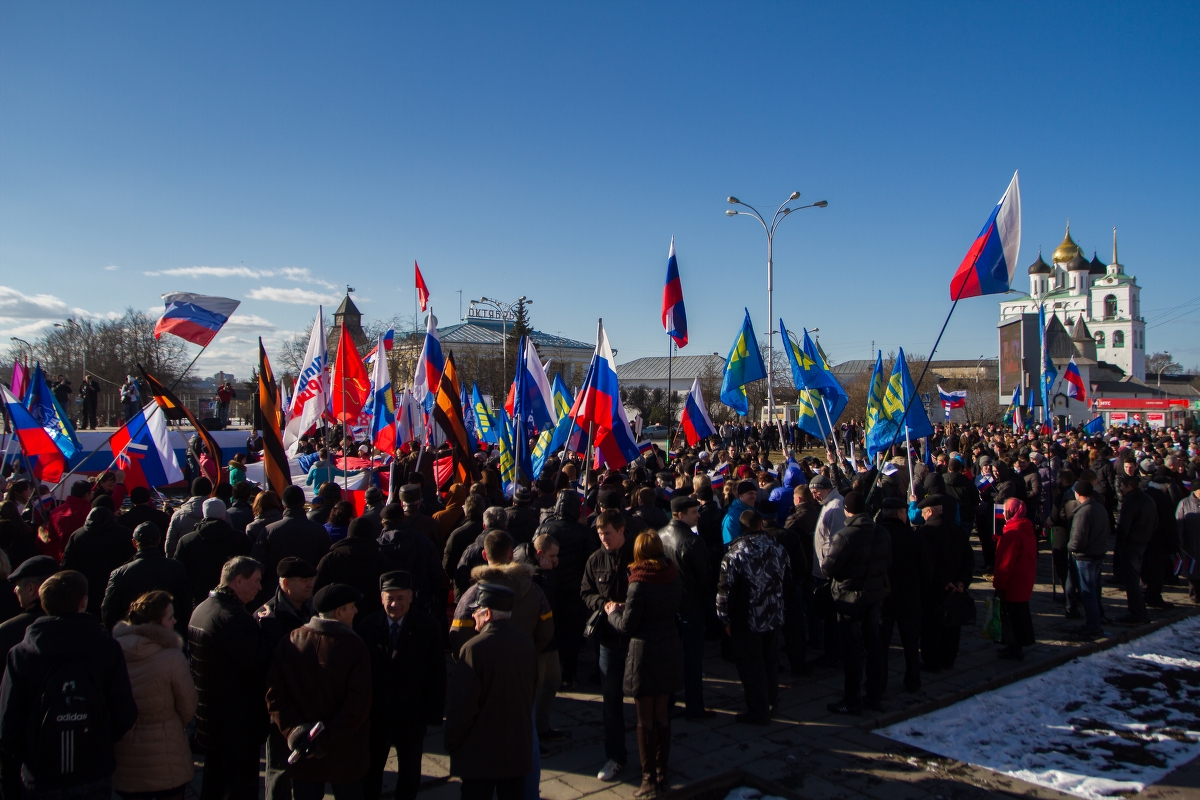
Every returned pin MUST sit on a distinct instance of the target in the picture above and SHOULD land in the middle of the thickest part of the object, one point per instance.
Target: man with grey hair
(229, 658)
(494, 519)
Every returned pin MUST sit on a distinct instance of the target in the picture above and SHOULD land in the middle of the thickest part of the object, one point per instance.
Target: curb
(1024, 672)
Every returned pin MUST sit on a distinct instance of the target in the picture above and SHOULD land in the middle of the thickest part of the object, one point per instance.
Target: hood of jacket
(793, 476)
(567, 506)
(518, 577)
(98, 519)
(142, 641)
(356, 546)
(214, 530)
(66, 636)
(193, 507)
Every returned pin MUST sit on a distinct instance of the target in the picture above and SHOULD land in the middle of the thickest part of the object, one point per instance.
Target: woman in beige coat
(154, 759)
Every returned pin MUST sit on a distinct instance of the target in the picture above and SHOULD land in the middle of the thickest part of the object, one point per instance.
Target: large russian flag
(599, 405)
(46, 461)
(143, 450)
(1074, 381)
(954, 399)
(428, 374)
(673, 317)
(194, 317)
(989, 264)
(695, 421)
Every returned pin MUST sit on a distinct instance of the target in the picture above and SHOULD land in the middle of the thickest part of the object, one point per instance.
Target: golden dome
(1067, 250)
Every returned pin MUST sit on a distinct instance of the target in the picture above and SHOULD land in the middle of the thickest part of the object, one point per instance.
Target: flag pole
(670, 362)
(345, 426)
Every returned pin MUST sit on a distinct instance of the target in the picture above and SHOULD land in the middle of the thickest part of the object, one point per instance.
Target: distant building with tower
(347, 314)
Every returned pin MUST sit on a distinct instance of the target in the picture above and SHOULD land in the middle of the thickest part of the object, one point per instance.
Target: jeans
(860, 641)
(311, 790)
(612, 687)
(691, 632)
(484, 789)
(1089, 589)
(757, 657)
(96, 790)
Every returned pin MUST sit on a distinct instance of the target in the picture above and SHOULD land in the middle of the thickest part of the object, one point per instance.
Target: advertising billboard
(1010, 359)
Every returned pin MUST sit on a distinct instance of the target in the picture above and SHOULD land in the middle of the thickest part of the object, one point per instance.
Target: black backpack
(74, 731)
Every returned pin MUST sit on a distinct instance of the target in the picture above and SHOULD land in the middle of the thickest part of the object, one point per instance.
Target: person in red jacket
(1016, 567)
(65, 520)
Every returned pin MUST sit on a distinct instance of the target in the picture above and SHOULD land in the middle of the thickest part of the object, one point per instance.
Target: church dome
(1039, 267)
(1077, 263)
(1096, 267)
(1067, 250)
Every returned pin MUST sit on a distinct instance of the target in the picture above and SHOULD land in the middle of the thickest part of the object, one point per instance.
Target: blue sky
(552, 150)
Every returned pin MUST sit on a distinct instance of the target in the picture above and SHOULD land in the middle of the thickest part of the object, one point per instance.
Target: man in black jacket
(26, 580)
(147, 571)
(962, 490)
(523, 518)
(857, 564)
(205, 550)
(575, 544)
(70, 660)
(606, 580)
(144, 511)
(902, 607)
(96, 549)
(688, 553)
(465, 534)
(229, 662)
(356, 561)
(952, 565)
(408, 550)
(295, 535)
(1137, 522)
(408, 671)
(290, 608)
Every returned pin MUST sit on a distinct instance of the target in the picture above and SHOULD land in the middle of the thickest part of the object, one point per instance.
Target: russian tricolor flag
(194, 317)
(381, 405)
(46, 461)
(599, 404)
(673, 317)
(696, 423)
(989, 264)
(143, 450)
(955, 399)
(428, 373)
(1074, 381)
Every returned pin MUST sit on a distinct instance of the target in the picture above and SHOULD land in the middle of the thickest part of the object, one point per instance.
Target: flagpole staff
(780, 214)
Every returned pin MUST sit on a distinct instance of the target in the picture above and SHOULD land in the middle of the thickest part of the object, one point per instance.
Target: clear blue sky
(552, 150)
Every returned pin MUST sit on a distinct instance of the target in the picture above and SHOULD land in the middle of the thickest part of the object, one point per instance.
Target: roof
(491, 332)
(1077, 263)
(348, 307)
(1039, 267)
(1096, 266)
(654, 368)
(858, 366)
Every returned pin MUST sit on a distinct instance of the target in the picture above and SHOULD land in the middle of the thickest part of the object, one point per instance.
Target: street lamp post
(26, 346)
(504, 309)
(780, 214)
(1166, 363)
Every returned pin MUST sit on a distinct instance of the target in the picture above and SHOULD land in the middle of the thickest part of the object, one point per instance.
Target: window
(1110, 306)
(1118, 338)
(1100, 339)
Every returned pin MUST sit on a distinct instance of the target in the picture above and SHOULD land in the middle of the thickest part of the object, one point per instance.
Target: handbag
(589, 630)
(958, 609)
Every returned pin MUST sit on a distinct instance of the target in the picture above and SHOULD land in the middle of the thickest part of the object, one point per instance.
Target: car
(655, 430)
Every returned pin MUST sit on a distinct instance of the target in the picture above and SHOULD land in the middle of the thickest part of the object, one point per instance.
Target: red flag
(422, 289)
(349, 364)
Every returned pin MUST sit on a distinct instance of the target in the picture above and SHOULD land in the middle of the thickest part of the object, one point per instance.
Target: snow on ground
(1104, 725)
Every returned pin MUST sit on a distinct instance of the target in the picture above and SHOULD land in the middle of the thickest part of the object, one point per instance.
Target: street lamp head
(731, 213)
(821, 204)
(794, 196)
(787, 211)
(732, 200)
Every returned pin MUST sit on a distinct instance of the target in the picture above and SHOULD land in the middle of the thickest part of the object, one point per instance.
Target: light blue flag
(879, 436)
(1049, 373)
(811, 418)
(484, 419)
(831, 391)
(551, 441)
(744, 365)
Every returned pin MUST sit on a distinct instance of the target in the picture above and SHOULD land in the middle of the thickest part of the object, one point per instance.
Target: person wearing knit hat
(322, 673)
(205, 550)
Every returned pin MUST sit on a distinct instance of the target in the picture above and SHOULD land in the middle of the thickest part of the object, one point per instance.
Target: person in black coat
(65, 651)
(1164, 543)
(690, 556)
(952, 565)
(294, 536)
(204, 551)
(147, 571)
(465, 534)
(575, 544)
(408, 673)
(26, 580)
(901, 609)
(356, 561)
(143, 510)
(229, 662)
(523, 518)
(290, 608)
(408, 550)
(96, 549)
(17, 538)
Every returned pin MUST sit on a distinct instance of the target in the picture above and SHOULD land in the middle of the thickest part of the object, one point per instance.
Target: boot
(647, 746)
(663, 733)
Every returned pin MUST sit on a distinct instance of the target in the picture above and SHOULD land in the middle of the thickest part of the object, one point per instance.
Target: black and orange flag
(275, 462)
(448, 414)
(174, 409)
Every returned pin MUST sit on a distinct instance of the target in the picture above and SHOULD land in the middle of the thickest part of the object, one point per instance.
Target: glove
(297, 740)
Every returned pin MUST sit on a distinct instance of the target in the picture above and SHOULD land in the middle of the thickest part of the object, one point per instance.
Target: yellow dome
(1067, 250)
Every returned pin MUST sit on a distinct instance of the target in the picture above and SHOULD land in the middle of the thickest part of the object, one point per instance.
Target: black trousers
(910, 640)
(231, 774)
(939, 642)
(860, 646)
(569, 621)
(484, 789)
(1129, 571)
(757, 658)
(410, 746)
(1154, 569)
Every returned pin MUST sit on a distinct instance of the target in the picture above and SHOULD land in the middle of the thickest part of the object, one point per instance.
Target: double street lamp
(504, 310)
(780, 214)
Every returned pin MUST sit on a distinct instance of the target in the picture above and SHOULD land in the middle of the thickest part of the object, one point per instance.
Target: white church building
(1071, 288)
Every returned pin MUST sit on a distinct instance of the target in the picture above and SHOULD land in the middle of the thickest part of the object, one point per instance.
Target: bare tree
(1162, 364)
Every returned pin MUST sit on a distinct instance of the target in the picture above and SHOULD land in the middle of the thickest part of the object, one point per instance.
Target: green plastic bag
(991, 619)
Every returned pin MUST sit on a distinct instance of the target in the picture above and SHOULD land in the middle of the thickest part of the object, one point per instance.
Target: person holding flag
(142, 450)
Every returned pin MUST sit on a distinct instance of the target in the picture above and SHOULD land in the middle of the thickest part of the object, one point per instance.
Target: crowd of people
(333, 631)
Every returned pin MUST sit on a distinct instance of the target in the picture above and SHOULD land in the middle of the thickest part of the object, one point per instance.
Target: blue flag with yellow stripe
(875, 434)
(484, 421)
(899, 394)
(744, 365)
(811, 418)
(825, 383)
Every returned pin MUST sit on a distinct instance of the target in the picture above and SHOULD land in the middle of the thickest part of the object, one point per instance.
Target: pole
(345, 425)
(670, 361)
(832, 432)
(770, 328)
(587, 461)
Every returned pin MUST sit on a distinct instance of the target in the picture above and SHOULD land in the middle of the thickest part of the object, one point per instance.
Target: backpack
(74, 731)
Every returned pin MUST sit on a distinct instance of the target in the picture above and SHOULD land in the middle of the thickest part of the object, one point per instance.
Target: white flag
(310, 395)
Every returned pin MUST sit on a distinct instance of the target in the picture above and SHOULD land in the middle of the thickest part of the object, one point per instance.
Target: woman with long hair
(1016, 568)
(654, 664)
(267, 509)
